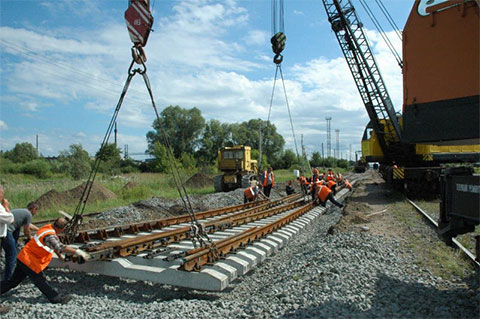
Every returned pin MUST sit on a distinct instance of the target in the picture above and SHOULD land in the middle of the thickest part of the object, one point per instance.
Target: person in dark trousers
(268, 181)
(313, 180)
(35, 257)
(6, 218)
(324, 193)
(22, 218)
(289, 188)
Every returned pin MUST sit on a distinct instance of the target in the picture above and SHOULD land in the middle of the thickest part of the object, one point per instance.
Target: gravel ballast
(348, 274)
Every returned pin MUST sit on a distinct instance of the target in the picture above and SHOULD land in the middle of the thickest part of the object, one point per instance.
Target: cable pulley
(278, 45)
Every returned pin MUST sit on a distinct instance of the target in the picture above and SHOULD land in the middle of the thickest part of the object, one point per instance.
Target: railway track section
(467, 252)
(162, 251)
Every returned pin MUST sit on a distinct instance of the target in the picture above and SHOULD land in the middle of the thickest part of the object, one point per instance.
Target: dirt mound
(200, 180)
(72, 196)
(130, 185)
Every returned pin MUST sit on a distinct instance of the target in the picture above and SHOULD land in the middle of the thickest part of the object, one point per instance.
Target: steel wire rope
(389, 18)
(289, 114)
(382, 33)
(73, 225)
(41, 58)
(196, 227)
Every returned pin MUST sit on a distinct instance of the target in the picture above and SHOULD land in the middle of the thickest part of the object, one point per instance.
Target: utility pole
(337, 135)
(125, 151)
(305, 159)
(323, 154)
(115, 133)
(329, 138)
(36, 144)
(350, 153)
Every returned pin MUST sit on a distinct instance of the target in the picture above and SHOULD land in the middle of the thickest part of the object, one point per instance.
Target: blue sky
(64, 63)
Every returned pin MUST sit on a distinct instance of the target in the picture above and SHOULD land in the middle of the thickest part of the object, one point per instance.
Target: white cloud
(257, 37)
(192, 63)
(298, 12)
(3, 126)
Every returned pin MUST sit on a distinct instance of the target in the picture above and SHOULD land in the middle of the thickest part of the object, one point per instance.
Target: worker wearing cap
(35, 257)
(324, 193)
(268, 181)
(251, 193)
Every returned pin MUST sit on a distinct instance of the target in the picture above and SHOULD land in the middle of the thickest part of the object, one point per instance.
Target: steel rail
(118, 231)
(196, 258)
(126, 247)
(456, 242)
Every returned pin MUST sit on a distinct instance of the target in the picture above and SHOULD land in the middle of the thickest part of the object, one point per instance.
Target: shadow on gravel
(393, 298)
(378, 194)
(95, 285)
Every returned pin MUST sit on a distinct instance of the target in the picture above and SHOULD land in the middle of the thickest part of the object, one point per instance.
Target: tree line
(193, 141)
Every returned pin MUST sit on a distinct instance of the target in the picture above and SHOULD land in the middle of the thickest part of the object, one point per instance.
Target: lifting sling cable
(138, 55)
(278, 45)
(382, 33)
(72, 227)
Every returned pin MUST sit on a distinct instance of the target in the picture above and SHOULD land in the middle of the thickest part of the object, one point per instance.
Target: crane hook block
(278, 42)
(139, 21)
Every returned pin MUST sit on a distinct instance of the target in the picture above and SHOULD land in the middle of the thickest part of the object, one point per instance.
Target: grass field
(21, 189)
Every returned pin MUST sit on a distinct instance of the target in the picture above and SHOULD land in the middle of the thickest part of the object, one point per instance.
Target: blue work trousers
(9, 245)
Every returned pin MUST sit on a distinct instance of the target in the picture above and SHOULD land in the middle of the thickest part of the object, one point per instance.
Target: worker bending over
(251, 194)
(324, 193)
(289, 188)
(35, 257)
(332, 185)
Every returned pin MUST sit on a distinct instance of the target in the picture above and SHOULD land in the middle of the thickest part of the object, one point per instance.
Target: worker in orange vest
(251, 193)
(304, 184)
(35, 257)
(268, 181)
(330, 175)
(332, 185)
(313, 182)
(347, 183)
(324, 193)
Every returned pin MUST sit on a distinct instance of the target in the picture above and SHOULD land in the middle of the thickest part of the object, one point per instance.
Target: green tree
(39, 168)
(316, 160)
(289, 158)
(161, 162)
(247, 133)
(183, 128)
(215, 136)
(22, 153)
(110, 158)
(75, 161)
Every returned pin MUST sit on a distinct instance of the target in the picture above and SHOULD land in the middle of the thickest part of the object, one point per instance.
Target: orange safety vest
(249, 192)
(265, 179)
(347, 183)
(331, 183)
(329, 177)
(315, 181)
(36, 255)
(339, 177)
(323, 193)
